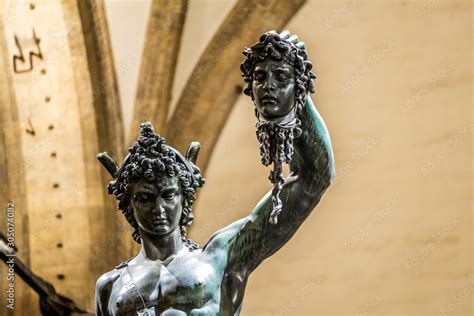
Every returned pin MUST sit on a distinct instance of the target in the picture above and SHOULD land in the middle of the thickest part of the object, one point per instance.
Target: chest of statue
(186, 283)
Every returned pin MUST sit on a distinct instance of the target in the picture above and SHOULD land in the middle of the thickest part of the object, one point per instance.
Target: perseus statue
(156, 186)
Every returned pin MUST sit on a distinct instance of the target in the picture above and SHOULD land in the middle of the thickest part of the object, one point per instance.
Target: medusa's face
(157, 205)
(273, 87)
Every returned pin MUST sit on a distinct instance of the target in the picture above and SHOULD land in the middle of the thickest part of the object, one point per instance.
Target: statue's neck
(282, 121)
(161, 247)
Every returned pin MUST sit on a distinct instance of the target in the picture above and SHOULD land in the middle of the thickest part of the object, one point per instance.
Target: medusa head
(277, 61)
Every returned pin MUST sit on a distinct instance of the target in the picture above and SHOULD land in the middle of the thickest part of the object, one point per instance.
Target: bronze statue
(156, 186)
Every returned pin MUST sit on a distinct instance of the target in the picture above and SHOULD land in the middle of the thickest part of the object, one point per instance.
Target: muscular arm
(311, 172)
(102, 292)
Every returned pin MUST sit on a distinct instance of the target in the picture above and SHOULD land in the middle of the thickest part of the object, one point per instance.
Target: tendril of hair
(276, 146)
(150, 158)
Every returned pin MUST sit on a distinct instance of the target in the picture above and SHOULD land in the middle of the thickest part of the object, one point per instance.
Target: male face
(157, 205)
(273, 87)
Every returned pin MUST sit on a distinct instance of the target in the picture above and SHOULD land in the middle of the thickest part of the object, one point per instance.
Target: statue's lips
(160, 222)
(269, 100)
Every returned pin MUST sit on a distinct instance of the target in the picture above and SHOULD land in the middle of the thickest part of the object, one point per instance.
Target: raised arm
(311, 172)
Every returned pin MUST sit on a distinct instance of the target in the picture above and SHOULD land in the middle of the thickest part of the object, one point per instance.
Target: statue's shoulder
(223, 238)
(103, 290)
(105, 282)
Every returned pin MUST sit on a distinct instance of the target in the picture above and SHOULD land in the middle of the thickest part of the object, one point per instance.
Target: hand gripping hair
(276, 138)
(150, 157)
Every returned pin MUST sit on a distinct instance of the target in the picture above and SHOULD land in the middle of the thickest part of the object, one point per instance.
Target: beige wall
(393, 235)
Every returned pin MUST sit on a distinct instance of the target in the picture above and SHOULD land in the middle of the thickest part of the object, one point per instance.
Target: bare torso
(189, 284)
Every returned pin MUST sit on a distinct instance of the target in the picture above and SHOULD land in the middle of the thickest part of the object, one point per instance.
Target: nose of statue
(268, 85)
(161, 212)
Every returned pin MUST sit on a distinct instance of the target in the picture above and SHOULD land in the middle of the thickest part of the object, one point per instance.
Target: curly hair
(150, 157)
(273, 45)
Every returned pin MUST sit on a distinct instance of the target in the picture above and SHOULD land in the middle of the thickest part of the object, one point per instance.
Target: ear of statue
(193, 152)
